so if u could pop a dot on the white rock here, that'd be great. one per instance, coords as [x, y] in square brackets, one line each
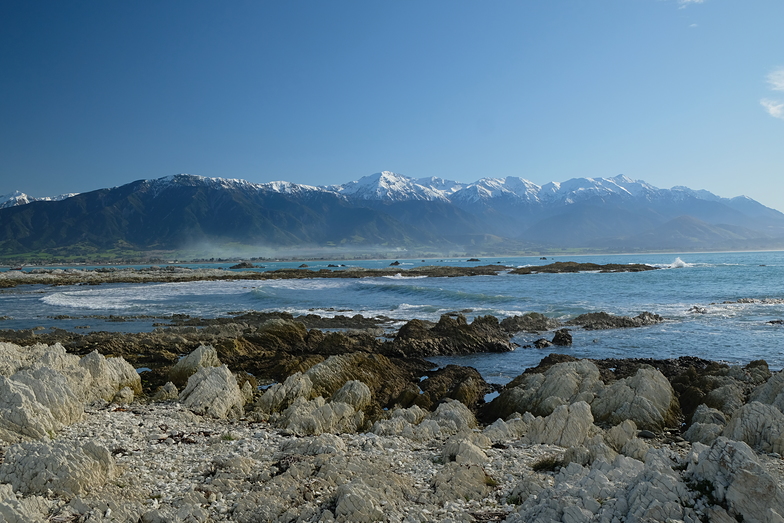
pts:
[567, 426]
[354, 393]
[646, 398]
[64, 468]
[758, 424]
[279, 396]
[203, 356]
[213, 391]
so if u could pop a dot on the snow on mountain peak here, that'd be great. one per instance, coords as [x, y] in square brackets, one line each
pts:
[388, 186]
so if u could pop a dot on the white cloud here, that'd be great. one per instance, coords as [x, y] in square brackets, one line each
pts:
[684, 3]
[774, 108]
[776, 79]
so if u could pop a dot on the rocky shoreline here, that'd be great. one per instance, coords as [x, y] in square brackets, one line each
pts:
[265, 417]
[175, 273]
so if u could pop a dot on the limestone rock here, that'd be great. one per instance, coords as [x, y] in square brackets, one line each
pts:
[67, 469]
[501, 430]
[759, 425]
[312, 446]
[771, 392]
[109, 375]
[25, 510]
[167, 392]
[703, 432]
[53, 391]
[727, 398]
[567, 426]
[21, 415]
[646, 398]
[603, 320]
[454, 416]
[213, 391]
[452, 335]
[618, 435]
[317, 417]
[203, 356]
[354, 393]
[124, 396]
[465, 448]
[540, 393]
[740, 481]
[456, 481]
[279, 396]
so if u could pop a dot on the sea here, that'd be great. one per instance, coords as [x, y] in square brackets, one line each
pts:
[718, 306]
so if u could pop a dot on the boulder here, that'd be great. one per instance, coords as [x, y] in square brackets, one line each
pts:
[529, 322]
[353, 393]
[464, 384]
[501, 430]
[562, 338]
[759, 425]
[458, 481]
[451, 335]
[771, 392]
[53, 391]
[67, 469]
[167, 392]
[203, 356]
[540, 393]
[385, 379]
[279, 396]
[22, 416]
[454, 416]
[740, 482]
[213, 391]
[726, 398]
[317, 417]
[109, 375]
[603, 320]
[280, 334]
[25, 510]
[567, 426]
[645, 398]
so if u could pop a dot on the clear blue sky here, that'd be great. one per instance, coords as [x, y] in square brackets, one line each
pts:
[96, 94]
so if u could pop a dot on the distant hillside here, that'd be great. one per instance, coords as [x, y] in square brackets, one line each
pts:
[389, 211]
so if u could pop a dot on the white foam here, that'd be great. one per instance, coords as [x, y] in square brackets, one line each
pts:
[399, 276]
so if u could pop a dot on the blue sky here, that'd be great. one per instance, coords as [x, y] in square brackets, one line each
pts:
[98, 94]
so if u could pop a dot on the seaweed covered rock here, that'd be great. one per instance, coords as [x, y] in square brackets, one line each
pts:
[317, 417]
[385, 379]
[451, 335]
[603, 320]
[280, 334]
[463, 384]
[529, 322]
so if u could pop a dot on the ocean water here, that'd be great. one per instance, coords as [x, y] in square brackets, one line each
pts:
[728, 330]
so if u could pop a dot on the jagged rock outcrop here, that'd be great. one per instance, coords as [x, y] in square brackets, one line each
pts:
[279, 396]
[451, 335]
[317, 417]
[530, 322]
[353, 393]
[213, 391]
[384, 379]
[771, 392]
[203, 356]
[562, 338]
[541, 393]
[707, 424]
[645, 398]
[63, 468]
[463, 384]
[280, 334]
[567, 426]
[740, 482]
[759, 425]
[604, 320]
[25, 510]
[109, 375]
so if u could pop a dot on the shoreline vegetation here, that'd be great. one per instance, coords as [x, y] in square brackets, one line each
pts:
[245, 271]
[271, 417]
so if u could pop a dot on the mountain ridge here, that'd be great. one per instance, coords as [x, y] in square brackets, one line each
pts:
[389, 211]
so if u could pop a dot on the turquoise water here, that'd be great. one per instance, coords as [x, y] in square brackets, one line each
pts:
[734, 332]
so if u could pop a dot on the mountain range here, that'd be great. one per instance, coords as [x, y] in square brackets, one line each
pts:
[389, 211]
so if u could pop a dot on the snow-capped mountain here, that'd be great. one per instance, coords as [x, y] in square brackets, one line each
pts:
[391, 209]
[19, 198]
